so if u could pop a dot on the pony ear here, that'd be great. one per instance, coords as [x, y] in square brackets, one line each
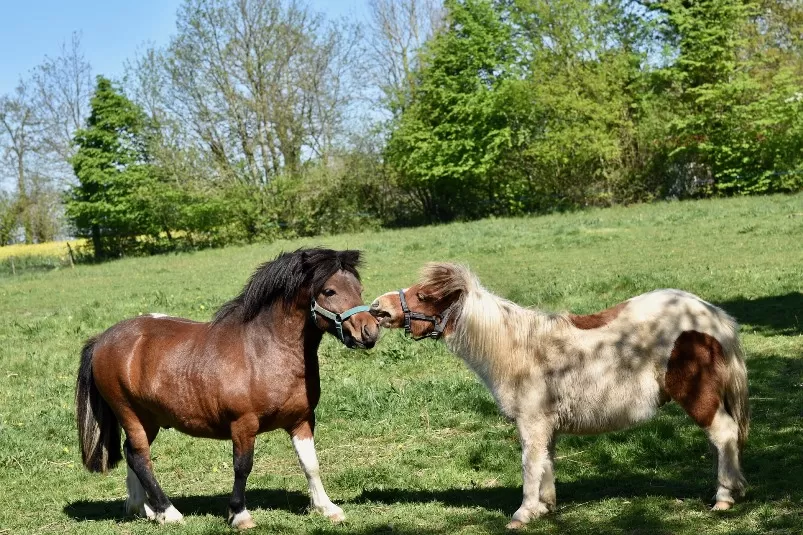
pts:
[350, 259]
[306, 261]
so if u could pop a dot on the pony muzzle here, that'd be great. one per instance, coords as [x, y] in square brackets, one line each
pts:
[366, 338]
[382, 312]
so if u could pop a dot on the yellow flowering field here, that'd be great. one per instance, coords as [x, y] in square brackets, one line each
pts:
[41, 250]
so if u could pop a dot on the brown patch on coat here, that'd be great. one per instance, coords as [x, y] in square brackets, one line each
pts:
[600, 319]
[693, 375]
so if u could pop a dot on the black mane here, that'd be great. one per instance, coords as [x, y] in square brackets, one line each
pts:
[285, 277]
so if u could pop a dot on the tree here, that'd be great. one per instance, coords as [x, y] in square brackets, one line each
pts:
[736, 81]
[61, 89]
[246, 93]
[263, 83]
[113, 173]
[449, 139]
[37, 123]
[20, 125]
[8, 217]
[579, 108]
[397, 31]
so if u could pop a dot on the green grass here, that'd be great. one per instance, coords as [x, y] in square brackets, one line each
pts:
[409, 441]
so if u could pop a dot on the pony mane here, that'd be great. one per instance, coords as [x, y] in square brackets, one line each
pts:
[285, 278]
[442, 279]
[489, 330]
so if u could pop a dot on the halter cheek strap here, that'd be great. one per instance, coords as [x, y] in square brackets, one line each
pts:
[338, 319]
[438, 322]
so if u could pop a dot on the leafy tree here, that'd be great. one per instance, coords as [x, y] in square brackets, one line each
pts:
[598, 102]
[449, 139]
[735, 84]
[109, 202]
[8, 217]
[577, 107]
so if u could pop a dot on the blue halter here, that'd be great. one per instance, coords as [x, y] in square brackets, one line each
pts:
[338, 319]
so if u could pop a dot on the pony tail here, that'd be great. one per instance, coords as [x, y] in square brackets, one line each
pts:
[98, 428]
[736, 395]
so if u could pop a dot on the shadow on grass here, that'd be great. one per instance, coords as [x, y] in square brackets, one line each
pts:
[215, 505]
[771, 464]
[570, 494]
[771, 315]
[681, 483]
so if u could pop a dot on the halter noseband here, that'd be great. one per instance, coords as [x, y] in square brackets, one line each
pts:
[338, 319]
[439, 322]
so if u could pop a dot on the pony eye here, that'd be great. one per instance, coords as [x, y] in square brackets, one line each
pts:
[328, 292]
[421, 297]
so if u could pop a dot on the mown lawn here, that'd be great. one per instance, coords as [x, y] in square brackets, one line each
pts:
[409, 441]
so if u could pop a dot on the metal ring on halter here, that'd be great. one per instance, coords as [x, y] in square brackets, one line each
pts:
[338, 319]
[438, 322]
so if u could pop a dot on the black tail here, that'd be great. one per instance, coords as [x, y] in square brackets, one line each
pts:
[98, 428]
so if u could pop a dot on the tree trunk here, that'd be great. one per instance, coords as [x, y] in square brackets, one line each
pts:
[97, 244]
[23, 202]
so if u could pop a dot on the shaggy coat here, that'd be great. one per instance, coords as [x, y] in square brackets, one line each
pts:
[566, 373]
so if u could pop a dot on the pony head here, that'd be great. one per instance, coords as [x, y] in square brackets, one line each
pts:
[296, 280]
[432, 303]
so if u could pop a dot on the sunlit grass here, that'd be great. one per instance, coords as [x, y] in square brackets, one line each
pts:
[409, 441]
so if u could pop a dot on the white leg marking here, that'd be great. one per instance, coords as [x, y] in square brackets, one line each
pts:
[307, 458]
[536, 436]
[137, 502]
[723, 434]
[241, 520]
[546, 493]
[170, 516]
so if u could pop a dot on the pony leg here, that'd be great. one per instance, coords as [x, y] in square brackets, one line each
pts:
[304, 445]
[138, 456]
[536, 436]
[136, 504]
[243, 437]
[546, 492]
[723, 433]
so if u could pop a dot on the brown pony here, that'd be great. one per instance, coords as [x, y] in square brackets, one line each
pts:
[566, 373]
[253, 368]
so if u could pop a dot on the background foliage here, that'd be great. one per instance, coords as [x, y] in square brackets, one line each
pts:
[264, 119]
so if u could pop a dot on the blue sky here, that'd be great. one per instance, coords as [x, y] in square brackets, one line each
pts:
[112, 30]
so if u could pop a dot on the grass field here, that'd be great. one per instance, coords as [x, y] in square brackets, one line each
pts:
[409, 441]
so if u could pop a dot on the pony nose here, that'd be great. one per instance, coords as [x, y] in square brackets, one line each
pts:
[369, 335]
[375, 305]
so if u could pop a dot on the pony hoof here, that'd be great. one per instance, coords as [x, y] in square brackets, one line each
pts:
[142, 510]
[332, 512]
[336, 516]
[722, 506]
[241, 520]
[169, 516]
[514, 525]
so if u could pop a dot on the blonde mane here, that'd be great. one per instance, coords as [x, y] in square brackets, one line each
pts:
[495, 336]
